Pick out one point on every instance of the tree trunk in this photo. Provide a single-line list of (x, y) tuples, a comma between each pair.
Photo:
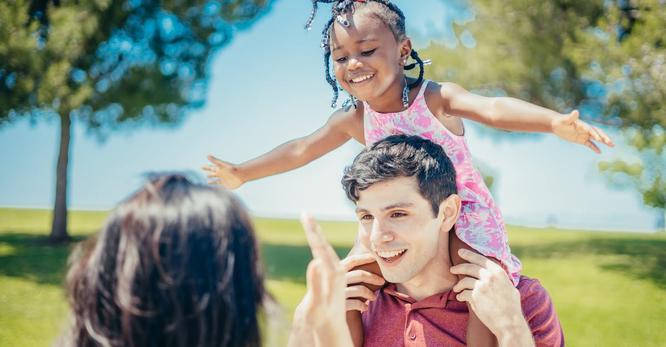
[(59, 226)]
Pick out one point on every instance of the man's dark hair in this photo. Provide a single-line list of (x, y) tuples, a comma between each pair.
[(403, 156)]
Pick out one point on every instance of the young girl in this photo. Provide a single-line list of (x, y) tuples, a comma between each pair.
[(367, 43)]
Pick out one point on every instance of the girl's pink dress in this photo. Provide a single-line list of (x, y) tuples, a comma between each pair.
[(480, 225)]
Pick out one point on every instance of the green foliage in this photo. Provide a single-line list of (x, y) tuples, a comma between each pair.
[(616, 280), (111, 62), (607, 58)]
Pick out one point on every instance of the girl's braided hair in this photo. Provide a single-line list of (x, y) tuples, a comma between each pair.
[(383, 10)]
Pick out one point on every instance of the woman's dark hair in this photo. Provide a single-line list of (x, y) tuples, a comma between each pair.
[(383, 10), (403, 156), (175, 265)]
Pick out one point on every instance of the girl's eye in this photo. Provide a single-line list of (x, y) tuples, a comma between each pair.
[(368, 53), (341, 60)]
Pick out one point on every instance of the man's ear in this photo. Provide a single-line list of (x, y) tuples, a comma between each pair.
[(449, 211), (405, 50)]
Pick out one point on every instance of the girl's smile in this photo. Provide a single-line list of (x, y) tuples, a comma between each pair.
[(368, 60)]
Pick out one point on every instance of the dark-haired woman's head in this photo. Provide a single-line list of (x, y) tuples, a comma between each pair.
[(175, 265)]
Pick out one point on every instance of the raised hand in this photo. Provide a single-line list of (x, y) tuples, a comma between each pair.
[(324, 300), (223, 173), (571, 128)]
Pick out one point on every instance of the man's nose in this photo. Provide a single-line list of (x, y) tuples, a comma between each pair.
[(379, 233)]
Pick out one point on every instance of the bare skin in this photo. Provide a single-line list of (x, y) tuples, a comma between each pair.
[(368, 62)]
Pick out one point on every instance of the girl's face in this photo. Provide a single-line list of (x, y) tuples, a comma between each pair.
[(367, 59)]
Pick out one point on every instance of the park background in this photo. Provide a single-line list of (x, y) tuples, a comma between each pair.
[(257, 81)]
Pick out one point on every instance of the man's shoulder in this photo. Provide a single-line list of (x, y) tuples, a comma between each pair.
[(540, 313)]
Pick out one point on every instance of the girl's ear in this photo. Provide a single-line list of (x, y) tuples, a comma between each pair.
[(449, 211), (405, 48)]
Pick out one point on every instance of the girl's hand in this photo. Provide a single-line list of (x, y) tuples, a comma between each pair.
[(223, 173), (571, 128)]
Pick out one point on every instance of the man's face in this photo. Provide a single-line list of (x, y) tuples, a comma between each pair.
[(399, 228)]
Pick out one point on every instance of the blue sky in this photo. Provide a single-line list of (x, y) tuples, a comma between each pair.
[(267, 87)]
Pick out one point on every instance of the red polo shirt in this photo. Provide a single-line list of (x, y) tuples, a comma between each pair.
[(395, 319)]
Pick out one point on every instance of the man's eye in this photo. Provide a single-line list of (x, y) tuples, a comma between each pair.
[(366, 217), (368, 53), (398, 214), (341, 60)]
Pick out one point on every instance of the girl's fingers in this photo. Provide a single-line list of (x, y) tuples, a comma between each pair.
[(361, 276), (573, 117), (594, 132), (589, 144), (208, 168), (216, 161), (465, 283), (605, 138), (359, 291), (355, 305)]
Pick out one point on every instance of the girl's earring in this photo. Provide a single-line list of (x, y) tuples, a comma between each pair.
[(349, 103), (405, 95)]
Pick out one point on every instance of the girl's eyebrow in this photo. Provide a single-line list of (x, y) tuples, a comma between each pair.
[(367, 39)]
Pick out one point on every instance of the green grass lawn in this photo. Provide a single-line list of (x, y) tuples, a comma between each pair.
[(609, 288)]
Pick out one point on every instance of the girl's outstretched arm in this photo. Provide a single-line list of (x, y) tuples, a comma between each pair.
[(340, 127), (517, 115)]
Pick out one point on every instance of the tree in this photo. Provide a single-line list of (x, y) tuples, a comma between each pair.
[(607, 58), (109, 64)]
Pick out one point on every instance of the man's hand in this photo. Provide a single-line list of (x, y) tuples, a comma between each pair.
[(571, 128), (361, 284), (223, 173), (494, 299)]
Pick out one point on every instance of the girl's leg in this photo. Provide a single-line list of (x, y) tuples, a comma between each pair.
[(478, 335)]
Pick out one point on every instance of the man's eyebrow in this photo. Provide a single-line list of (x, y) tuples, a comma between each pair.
[(367, 39), (389, 207)]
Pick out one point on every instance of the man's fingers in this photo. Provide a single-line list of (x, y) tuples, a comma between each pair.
[(359, 291), (465, 295), (465, 283), (467, 269), (355, 305), (589, 144), (476, 258), (353, 261), (362, 276)]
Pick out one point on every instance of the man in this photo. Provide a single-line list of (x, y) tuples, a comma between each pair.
[(404, 190)]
